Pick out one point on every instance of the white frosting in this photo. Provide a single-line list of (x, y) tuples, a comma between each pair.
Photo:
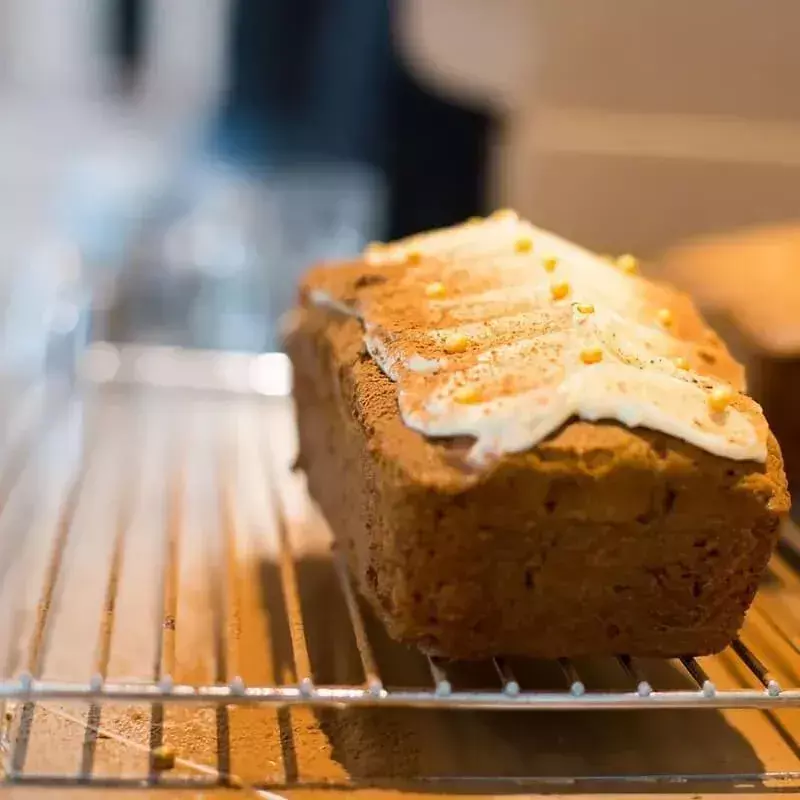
[(522, 358), (424, 365)]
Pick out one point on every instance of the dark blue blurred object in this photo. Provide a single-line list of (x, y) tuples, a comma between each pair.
[(127, 40), (308, 80), (319, 80), (437, 158)]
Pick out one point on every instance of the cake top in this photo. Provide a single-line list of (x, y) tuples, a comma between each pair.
[(500, 331)]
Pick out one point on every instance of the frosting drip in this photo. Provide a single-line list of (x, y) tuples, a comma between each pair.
[(501, 331)]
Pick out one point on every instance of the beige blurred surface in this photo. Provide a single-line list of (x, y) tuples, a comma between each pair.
[(747, 283), (750, 275), (627, 124)]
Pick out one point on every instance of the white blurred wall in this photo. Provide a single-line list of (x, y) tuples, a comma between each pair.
[(58, 116), (50, 45), (186, 44), (57, 47)]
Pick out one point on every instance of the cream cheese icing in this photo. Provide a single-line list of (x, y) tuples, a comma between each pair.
[(545, 331)]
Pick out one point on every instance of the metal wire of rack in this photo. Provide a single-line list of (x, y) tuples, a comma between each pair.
[(99, 440)]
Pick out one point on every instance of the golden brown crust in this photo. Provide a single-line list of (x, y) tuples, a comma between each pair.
[(601, 539), (607, 538)]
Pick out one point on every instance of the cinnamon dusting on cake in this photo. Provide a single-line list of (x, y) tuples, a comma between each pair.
[(478, 315)]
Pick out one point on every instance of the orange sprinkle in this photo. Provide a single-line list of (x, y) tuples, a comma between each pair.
[(436, 290), (720, 398), (591, 355), (467, 395), (680, 362), (524, 244), (413, 257), (549, 263), (664, 316), (628, 264), (559, 290), (456, 343), (162, 758)]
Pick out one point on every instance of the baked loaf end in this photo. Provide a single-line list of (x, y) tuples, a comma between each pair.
[(601, 539)]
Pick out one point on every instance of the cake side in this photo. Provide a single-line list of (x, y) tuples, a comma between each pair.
[(603, 539)]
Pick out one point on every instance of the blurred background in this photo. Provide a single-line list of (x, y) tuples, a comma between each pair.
[(169, 167)]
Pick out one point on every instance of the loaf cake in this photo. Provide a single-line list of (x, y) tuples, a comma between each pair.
[(748, 284), (523, 448)]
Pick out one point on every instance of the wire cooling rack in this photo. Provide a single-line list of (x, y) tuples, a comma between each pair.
[(126, 495)]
